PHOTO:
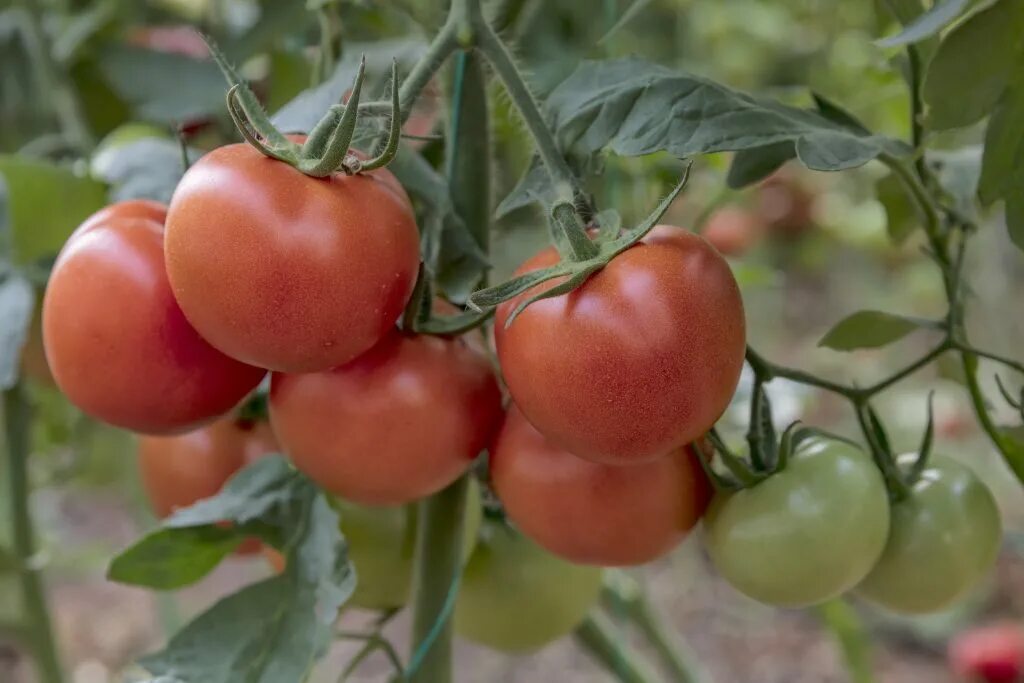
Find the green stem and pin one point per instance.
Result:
(1011, 452)
(600, 639)
(498, 55)
(623, 595)
(17, 423)
(438, 560)
(980, 353)
(846, 628)
(53, 81)
(910, 369)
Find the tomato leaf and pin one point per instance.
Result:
(149, 168)
(271, 631)
(164, 87)
(973, 65)
(634, 107)
(757, 163)
(1003, 158)
(1015, 218)
(958, 172)
(173, 558)
(868, 330)
(16, 303)
(928, 24)
(903, 214)
(39, 224)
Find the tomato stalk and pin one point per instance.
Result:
(17, 422)
(439, 535)
(849, 633)
(623, 595)
(599, 637)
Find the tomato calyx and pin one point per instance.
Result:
(583, 252)
(327, 149)
(897, 480)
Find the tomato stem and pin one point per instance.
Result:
(17, 422)
(849, 633)
(599, 637)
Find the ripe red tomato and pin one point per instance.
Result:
(116, 340)
(178, 471)
(181, 40)
(285, 271)
(733, 230)
(785, 205)
(398, 423)
(591, 513)
(640, 360)
(994, 653)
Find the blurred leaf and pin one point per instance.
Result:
(631, 13)
(634, 107)
(757, 163)
(837, 114)
(1015, 218)
(82, 27)
(46, 202)
(942, 13)
(868, 330)
(302, 113)
(164, 87)
(534, 186)
(903, 215)
(973, 65)
(1003, 159)
(289, 75)
(172, 558)
(449, 250)
(958, 171)
(16, 303)
(149, 168)
(277, 21)
(271, 631)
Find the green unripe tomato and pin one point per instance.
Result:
(381, 545)
(944, 538)
(806, 534)
(517, 597)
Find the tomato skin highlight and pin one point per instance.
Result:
(177, 471)
(381, 545)
(115, 338)
(806, 534)
(288, 272)
(591, 513)
(516, 597)
(398, 423)
(643, 358)
(945, 536)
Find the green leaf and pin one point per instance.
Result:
(1015, 218)
(942, 13)
(449, 250)
(868, 330)
(271, 631)
(274, 630)
(164, 87)
(534, 186)
(46, 202)
(1003, 158)
(958, 172)
(634, 107)
(173, 558)
(903, 215)
(973, 65)
(757, 163)
(17, 301)
(149, 168)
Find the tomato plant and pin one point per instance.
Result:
(516, 597)
(284, 271)
(944, 539)
(590, 513)
(674, 292)
(98, 352)
(807, 533)
(398, 423)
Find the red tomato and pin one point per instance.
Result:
(116, 340)
(994, 654)
(640, 360)
(398, 423)
(178, 471)
(732, 230)
(285, 271)
(181, 39)
(591, 513)
(785, 206)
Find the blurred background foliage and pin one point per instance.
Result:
(94, 96)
